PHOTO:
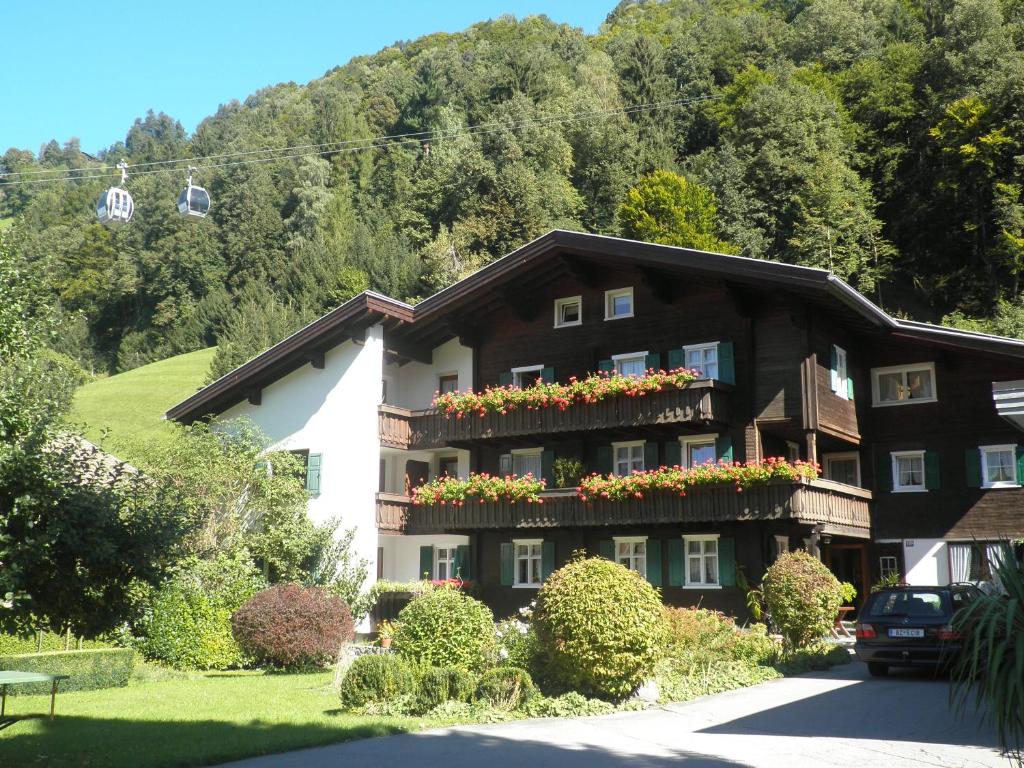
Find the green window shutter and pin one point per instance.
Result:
(313, 464)
(508, 565)
(833, 369)
(675, 562)
(505, 379)
(654, 562)
(883, 472)
(931, 470)
(726, 362)
(727, 562)
(652, 362)
(426, 562)
(606, 365)
(1020, 464)
(463, 569)
(650, 455)
(673, 453)
(505, 464)
(547, 559)
(547, 463)
(849, 382)
(547, 375)
(604, 460)
(723, 447)
(972, 462)
(676, 359)
(606, 549)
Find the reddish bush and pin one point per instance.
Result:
(292, 626)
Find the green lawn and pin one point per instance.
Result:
(130, 406)
(199, 720)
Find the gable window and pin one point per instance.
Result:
(526, 375)
(999, 466)
(447, 383)
(527, 461)
(698, 449)
(632, 553)
(568, 311)
(629, 457)
(631, 364)
(908, 471)
(618, 303)
(528, 556)
(444, 562)
(843, 467)
(840, 378)
(899, 385)
(703, 358)
(701, 561)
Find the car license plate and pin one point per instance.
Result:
(902, 632)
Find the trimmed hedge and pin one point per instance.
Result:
(803, 598)
(446, 628)
(440, 684)
(89, 670)
(505, 688)
(376, 678)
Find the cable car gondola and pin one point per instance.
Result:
(115, 206)
(193, 201)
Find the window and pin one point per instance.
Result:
(887, 566)
(527, 461)
(701, 561)
(781, 545)
(840, 375)
(449, 382)
(999, 466)
(792, 451)
(843, 467)
(448, 465)
(444, 562)
(908, 471)
(629, 457)
(632, 553)
(526, 375)
(698, 449)
(703, 358)
(904, 384)
(618, 303)
(568, 312)
(528, 562)
(631, 364)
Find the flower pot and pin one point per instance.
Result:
(385, 642)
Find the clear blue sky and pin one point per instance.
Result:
(88, 69)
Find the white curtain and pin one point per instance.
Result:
(959, 562)
(996, 552)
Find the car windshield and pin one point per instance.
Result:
(907, 603)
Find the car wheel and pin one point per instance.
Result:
(877, 670)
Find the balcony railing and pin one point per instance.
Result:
(842, 509)
(392, 512)
(393, 426)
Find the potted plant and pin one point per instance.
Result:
(385, 632)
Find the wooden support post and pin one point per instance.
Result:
(53, 698)
(812, 447)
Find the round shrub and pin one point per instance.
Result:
(600, 628)
(292, 627)
(505, 688)
(376, 678)
(803, 597)
(440, 684)
(446, 628)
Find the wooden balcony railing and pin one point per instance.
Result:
(393, 426)
(842, 509)
(392, 512)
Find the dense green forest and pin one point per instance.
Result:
(883, 139)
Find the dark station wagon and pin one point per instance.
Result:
(911, 627)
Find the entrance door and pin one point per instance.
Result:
(849, 563)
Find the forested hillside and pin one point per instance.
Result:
(883, 139)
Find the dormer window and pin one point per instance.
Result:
(568, 312)
(902, 384)
(618, 304)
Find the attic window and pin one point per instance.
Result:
(618, 303)
(568, 311)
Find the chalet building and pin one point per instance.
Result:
(917, 428)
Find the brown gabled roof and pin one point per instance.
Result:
(431, 319)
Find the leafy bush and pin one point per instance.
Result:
(517, 644)
(292, 627)
(803, 597)
(682, 682)
(570, 704)
(600, 627)
(445, 628)
(376, 678)
(48, 641)
(505, 688)
(440, 684)
(709, 636)
(87, 670)
(567, 472)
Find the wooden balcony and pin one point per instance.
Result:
(393, 426)
(392, 512)
(842, 509)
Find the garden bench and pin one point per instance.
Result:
(10, 677)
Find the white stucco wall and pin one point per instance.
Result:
(402, 554)
(414, 384)
(926, 562)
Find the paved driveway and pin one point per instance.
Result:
(837, 718)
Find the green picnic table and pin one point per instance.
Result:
(8, 677)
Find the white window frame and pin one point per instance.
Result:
(629, 357)
(450, 560)
(685, 441)
(517, 374)
(983, 450)
(896, 486)
(631, 444)
(841, 375)
(633, 556)
(842, 456)
(688, 348)
(883, 569)
(781, 545)
(516, 543)
(564, 302)
(687, 584)
(609, 303)
(527, 452)
(876, 402)
(448, 375)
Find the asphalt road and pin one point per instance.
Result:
(836, 718)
